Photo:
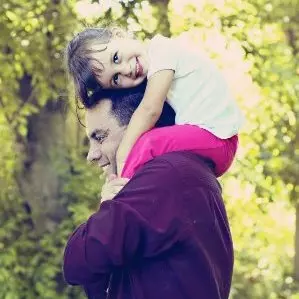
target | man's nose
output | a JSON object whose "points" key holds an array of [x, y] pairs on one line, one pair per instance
{"points": [[93, 155]]}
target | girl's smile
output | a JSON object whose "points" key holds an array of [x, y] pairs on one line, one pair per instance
{"points": [[122, 63]]}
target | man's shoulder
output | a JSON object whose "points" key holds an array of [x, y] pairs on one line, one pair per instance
{"points": [[183, 167]]}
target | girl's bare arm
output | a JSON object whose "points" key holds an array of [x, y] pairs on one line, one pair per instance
{"points": [[147, 113]]}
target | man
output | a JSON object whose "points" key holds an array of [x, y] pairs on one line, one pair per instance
{"points": [[164, 236]]}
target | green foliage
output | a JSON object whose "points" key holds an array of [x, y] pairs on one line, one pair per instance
{"points": [[264, 178], [33, 36], [256, 45], [263, 37]]}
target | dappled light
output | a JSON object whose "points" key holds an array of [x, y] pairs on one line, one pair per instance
{"points": [[46, 187]]}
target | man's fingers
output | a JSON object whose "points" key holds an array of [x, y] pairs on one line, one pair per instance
{"points": [[112, 177], [111, 188], [116, 189], [118, 182], [111, 192], [105, 198]]}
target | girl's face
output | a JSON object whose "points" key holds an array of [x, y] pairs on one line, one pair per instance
{"points": [[122, 63]]}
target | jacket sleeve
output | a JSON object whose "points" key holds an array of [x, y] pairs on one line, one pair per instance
{"points": [[143, 220]]}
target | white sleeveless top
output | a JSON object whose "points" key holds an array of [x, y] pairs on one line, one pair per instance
{"points": [[199, 93]]}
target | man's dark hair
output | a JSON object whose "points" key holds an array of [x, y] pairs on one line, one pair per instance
{"points": [[125, 102]]}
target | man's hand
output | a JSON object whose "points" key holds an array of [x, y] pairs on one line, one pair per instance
{"points": [[112, 187]]}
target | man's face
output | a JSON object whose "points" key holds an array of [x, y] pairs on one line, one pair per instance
{"points": [[104, 134]]}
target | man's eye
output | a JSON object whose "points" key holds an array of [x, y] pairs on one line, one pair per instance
{"points": [[99, 138], [115, 58], [115, 79]]}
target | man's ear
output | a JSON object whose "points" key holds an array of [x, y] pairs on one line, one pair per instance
{"points": [[118, 32]]}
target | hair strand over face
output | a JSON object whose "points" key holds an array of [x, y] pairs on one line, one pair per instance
{"points": [[79, 61]]}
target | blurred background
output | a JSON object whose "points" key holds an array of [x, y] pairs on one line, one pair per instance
{"points": [[46, 186]]}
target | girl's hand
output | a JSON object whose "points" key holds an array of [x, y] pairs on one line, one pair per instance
{"points": [[112, 187]]}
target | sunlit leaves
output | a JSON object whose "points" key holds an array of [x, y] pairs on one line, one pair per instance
{"points": [[255, 43], [263, 79]]}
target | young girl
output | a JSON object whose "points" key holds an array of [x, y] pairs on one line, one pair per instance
{"points": [[206, 114]]}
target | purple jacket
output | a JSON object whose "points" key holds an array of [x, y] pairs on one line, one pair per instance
{"points": [[164, 236]]}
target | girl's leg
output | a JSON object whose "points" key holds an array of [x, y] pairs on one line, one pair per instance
{"points": [[183, 138]]}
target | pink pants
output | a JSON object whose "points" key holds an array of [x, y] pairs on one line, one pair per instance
{"points": [[159, 141]]}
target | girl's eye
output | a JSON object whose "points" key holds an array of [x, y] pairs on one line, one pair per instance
{"points": [[115, 58], [115, 79]]}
